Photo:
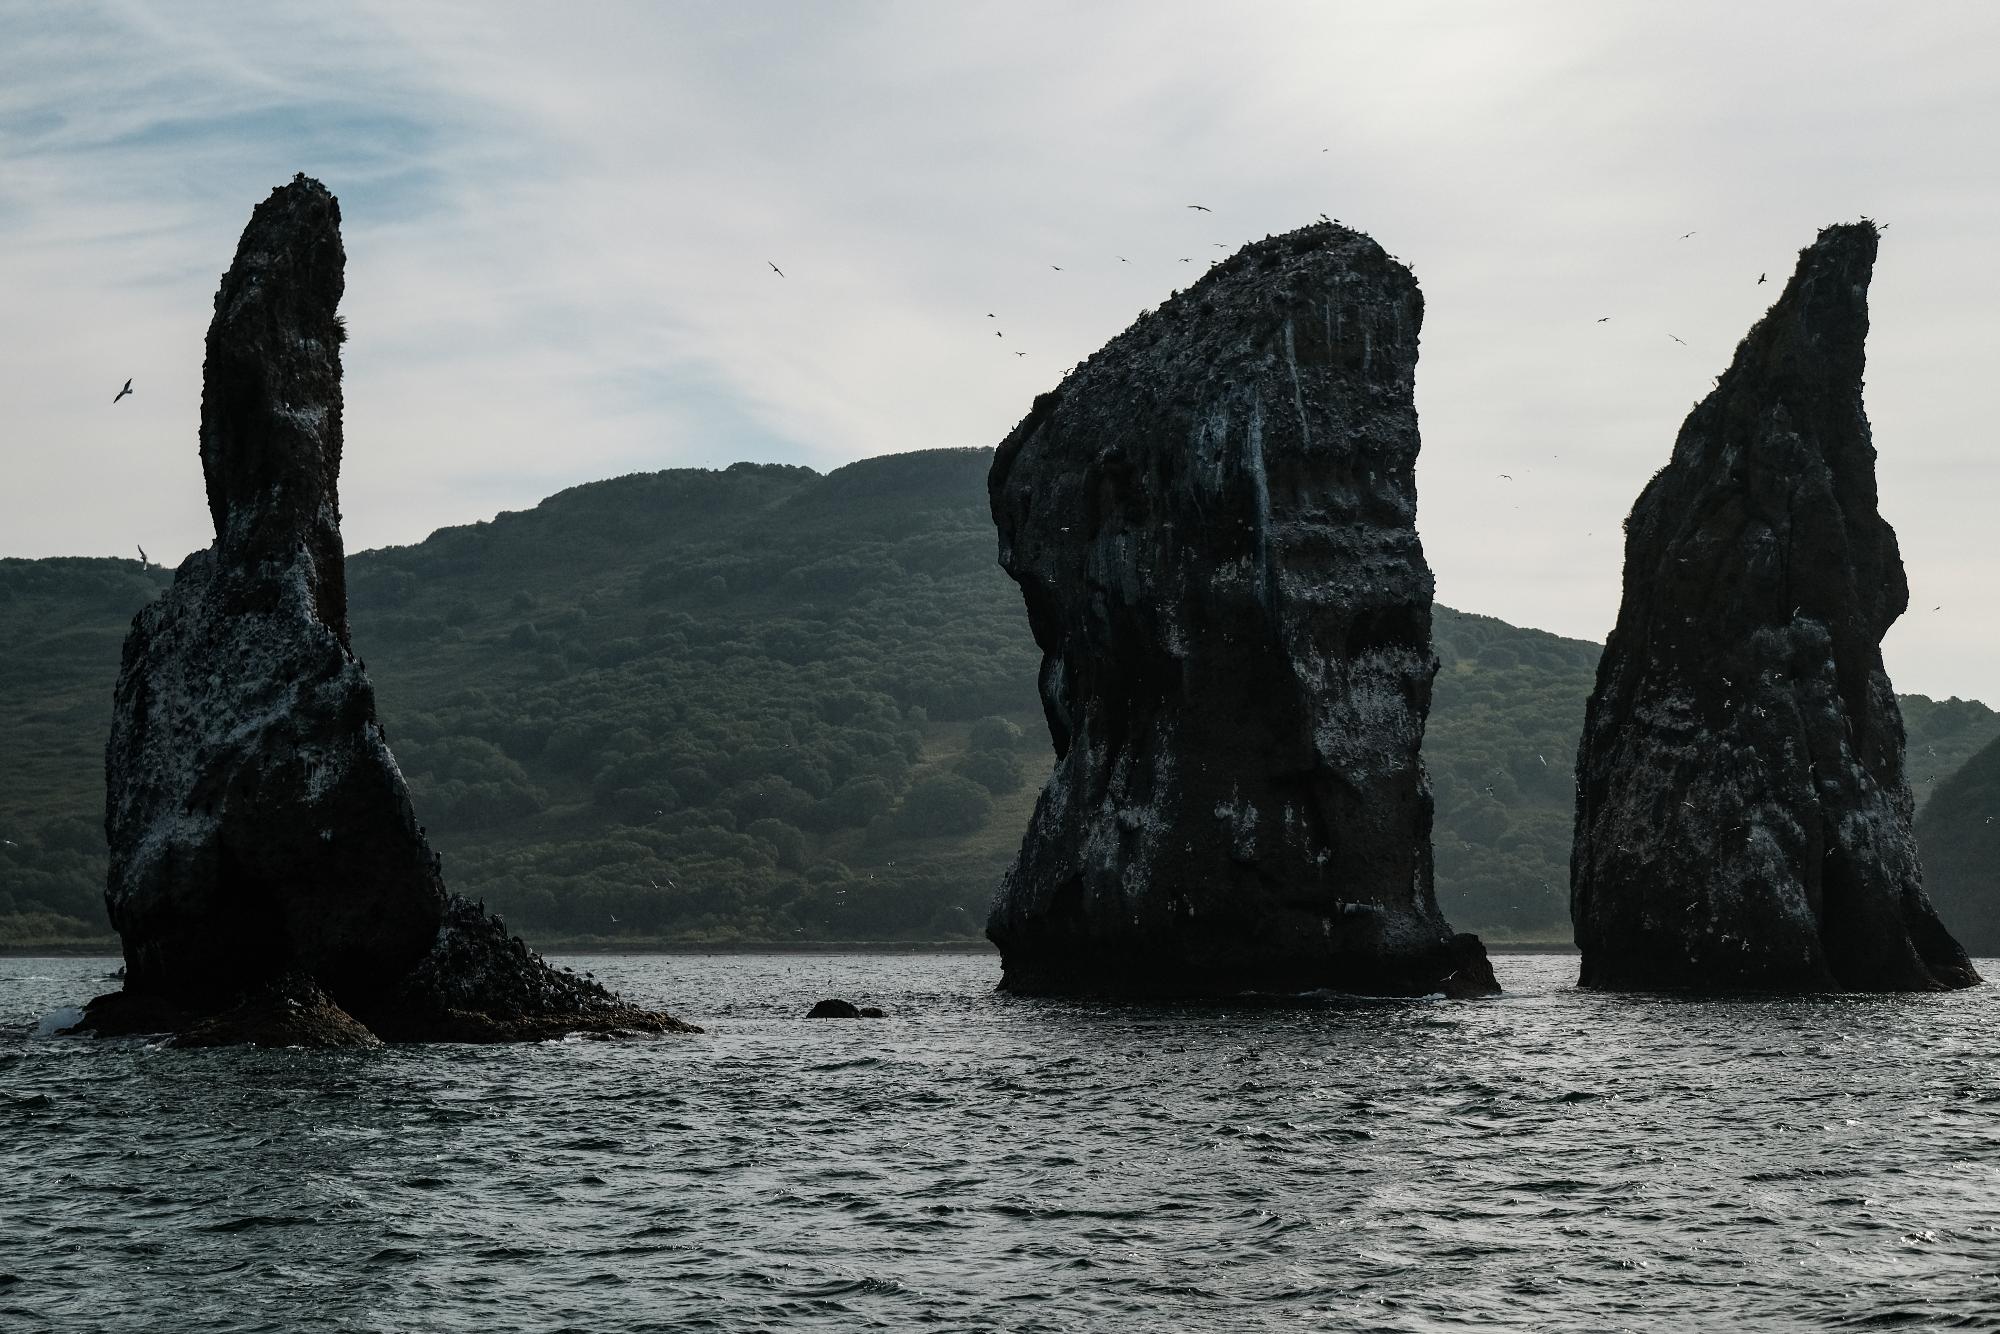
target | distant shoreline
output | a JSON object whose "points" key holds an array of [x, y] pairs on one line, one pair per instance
{"points": [[98, 950]]}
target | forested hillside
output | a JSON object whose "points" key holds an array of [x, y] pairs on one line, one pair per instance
{"points": [[1959, 831], [758, 704]]}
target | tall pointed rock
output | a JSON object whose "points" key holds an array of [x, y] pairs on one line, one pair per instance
{"points": [[268, 877], [1743, 819], [257, 820], [1213, 524]]}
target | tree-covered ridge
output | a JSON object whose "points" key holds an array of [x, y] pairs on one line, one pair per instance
{"points": [[756, 704], [1959, 831]]}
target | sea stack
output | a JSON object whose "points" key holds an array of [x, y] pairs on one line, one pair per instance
{"points": [[265, 858], [1743, 820], [1212, 521]]}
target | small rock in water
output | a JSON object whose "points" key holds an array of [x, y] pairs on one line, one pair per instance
{"points": [[834, 1009]]}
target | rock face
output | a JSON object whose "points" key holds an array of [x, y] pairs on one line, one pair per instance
{"points": [[1743, 820], [259, 828], [1213, 524]]}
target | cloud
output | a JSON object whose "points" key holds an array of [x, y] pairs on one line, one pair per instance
{"points": [[559, 222]]}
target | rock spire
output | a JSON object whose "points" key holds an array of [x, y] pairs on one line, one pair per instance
{"points": [[263, 845], [1212, 521]]}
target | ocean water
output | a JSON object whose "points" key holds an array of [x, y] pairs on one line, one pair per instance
{"points": [[1549, 1160]]}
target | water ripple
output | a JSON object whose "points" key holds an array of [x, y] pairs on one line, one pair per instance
{"points": [[1552, 1160]]}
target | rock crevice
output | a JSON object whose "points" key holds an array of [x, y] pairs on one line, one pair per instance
{"points": [[1743, 818], [1212, 525]]}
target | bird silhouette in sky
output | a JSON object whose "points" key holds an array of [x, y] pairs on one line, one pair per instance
{"points": [[1122, 260], [1761, 277], [1508, 476], [122, 392], [991, 316], [1202, 207], [1686, 235], [1602, 318], [1056, 267], [1020, 354], [143, 562], [998, 334], [1681, 341], [775, 269], [1186, 260]]}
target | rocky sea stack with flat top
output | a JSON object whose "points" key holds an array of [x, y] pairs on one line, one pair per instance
{"points": [[268, 879], [1743, 820], [1212, 521]]}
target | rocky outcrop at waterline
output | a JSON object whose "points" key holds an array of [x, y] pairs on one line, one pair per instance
{"points": [[265, 859], [1212, 522], [1743, 818]]}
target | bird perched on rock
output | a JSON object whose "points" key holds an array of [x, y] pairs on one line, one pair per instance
{"points": [[122, 392]]}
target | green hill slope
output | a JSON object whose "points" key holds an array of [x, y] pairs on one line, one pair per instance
{"points": [[757, 704], [1959, 831]]}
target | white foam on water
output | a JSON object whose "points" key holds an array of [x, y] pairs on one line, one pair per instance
{"points": [[55, 1021]]}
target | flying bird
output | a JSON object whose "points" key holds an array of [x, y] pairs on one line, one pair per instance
{"points": [[1122, 260], [998, 334], [1020, 354], [991, 316], [143, 562], [1681, 341], [775, 269], [1761, 277], [1056, 267], [1186, 260], [1509, 476], [1686, 235], [1203, 209], [1602, 318], [122, 392]]}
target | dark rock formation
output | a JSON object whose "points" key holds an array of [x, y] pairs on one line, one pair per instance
{"points": [[259, 828], [1213, 524], [835, 1009], [1743, 820], [291, 1011]]}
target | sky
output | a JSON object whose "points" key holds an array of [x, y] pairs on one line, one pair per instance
{"points": [[560, 222]]}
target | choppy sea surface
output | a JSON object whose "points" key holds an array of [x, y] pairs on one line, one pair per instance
{"points": [[1550, 1160]]}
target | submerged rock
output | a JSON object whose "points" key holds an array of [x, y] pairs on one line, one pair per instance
{"points": [[1212, 522], [1743, 819], [259, 827]]}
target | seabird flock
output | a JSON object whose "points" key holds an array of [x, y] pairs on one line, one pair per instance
{"points": [[1219, 245]]}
